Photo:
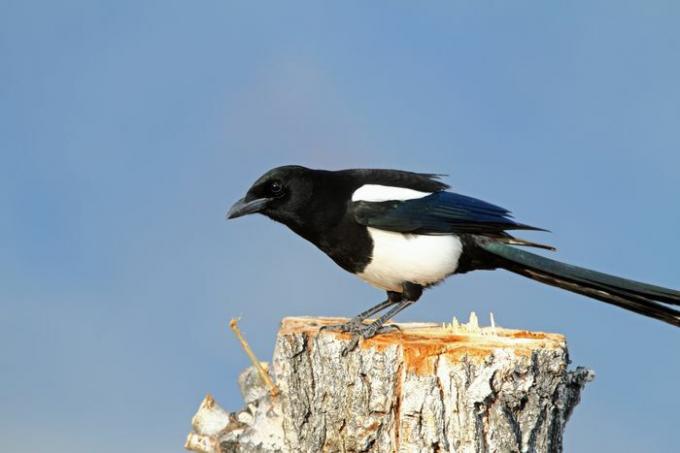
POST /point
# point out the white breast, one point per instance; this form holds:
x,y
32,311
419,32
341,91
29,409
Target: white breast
x,y
421,259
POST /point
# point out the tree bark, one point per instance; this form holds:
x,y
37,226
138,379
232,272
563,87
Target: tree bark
x,y
426,388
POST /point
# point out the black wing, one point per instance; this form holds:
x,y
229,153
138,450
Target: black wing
x,y
424,182
438,213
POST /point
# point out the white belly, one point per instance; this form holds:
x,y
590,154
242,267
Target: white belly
x,y
399,258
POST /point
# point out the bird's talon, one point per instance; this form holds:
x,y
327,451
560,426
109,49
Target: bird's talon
x,y
363,332
370,331
351,326
353,343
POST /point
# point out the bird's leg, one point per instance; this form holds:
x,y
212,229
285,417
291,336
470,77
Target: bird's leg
x,y
358,319
355,324
410,295
373,328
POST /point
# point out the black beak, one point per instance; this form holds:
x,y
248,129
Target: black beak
x,y
243,207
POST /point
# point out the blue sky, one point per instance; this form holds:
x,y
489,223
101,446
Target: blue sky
x,y
128,128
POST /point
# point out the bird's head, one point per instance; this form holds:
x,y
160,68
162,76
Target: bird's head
x,y
281,194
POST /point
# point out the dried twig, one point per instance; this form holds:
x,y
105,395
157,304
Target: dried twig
x,y
273,389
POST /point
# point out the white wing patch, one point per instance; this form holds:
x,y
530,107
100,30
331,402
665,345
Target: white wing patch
x,y
377,193
421,259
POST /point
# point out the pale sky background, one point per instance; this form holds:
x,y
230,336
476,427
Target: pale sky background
x,y
127,128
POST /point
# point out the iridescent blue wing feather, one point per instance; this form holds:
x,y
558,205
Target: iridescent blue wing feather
x,y
438,213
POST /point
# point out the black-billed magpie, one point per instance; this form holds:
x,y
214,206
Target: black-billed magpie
x,y
403,232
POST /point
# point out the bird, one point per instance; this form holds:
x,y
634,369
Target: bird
x,y
404,232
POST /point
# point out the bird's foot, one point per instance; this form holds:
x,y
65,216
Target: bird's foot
x,y
359,330
353,326
368,331
356,327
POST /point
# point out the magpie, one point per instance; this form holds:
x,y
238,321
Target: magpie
x,y
404,232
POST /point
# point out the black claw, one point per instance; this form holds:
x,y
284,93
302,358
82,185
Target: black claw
x,y
365,332
372,330
352,326
351,345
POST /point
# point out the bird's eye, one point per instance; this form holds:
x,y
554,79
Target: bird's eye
x,y
276,188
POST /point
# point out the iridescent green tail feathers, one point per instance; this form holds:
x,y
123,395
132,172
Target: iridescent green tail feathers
x,y
648,300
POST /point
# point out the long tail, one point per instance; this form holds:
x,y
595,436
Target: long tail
x,y
645,299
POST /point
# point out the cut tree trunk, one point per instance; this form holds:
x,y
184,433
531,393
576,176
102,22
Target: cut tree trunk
x,y
425,388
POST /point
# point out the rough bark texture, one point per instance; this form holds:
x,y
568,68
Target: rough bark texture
x,y
427,388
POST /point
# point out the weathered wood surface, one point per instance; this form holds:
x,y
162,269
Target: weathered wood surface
x,y
427,388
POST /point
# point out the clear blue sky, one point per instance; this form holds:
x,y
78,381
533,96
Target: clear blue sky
x,y
127,128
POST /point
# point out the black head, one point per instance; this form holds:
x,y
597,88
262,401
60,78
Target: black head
x,y
280,194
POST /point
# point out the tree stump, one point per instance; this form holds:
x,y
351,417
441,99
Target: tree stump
x,y
425,388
